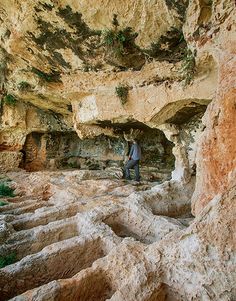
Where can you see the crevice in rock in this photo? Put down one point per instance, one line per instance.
(186, 219)
(205, 12)
(181, 111)
(24, 209)
(186, 113)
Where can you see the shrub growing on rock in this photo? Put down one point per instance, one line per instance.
(119, 41)
(188, 67)
(122, 92)
(10, 99)
(24, 86)
(3, 203)
(54, 76)
(7, 259)
(6, 191)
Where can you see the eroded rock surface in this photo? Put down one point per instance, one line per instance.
(73, 96)
(70, 219)
(109, 239)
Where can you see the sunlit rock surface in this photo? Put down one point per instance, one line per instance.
(86, 225)
(74, 229)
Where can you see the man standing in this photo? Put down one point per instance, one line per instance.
(134, 157)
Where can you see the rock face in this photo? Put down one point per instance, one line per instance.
(66, 68)
(217, 144)
(217, 151)
(35, 139)
(77, 85)
(18, 122)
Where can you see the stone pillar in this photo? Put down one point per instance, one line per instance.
(181, 172)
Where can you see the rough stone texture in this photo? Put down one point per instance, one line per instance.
(10, 160)
(143, 17)
(217, 145)
(18, 121)
(156, 93)
(216, 159)
(84, 234)
(107, 237)
(97, 215)
(36, 139)
(50, 36)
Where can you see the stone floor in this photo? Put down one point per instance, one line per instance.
(81, 235)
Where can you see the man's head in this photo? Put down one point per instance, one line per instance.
(135, 141)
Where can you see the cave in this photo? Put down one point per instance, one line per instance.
(65, 150)
(79, 82)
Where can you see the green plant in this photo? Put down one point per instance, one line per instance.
(8, 259)
(10, 99)
(122, 92)
(6, 191)
(24, 86)
(169, 47)
(54, 76)
(119, 41)
(72, 165)
(3, 203)
(188, 67)
(209, 2)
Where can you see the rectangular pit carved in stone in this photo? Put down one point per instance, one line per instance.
(123, 228)
(89, 286)
(94, 287)
(26, 209)
(44, 217)
(58, 261)
(142, 227)
(34, 240)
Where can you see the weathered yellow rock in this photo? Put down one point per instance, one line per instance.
(107, 237)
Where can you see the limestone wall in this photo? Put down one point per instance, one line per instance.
(217, 150)
(54, 57)
(87, 234)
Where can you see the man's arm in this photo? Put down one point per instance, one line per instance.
(131, 152)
